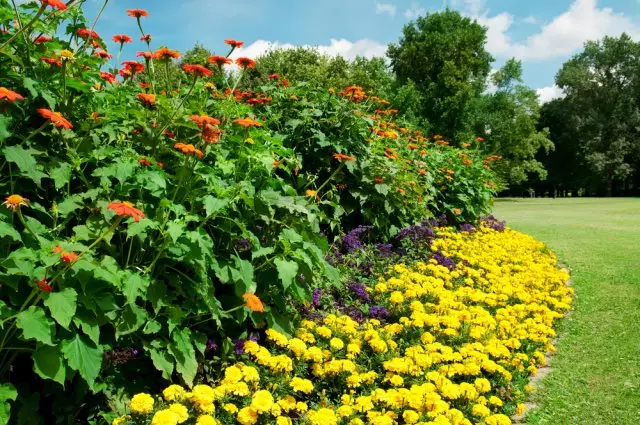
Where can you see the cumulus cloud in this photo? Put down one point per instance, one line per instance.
(345, 48)
(547, 94)
(530, 20)
(414, 11)
(387, 8)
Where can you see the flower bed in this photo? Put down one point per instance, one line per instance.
(454, 343)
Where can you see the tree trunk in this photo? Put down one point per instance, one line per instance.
(609, 188)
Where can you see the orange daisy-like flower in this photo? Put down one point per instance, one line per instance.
(126, 209)
(108, 77)
(121, 38)
(144, 161)
(457, 211)
(246, 63)
(41, 39)
(9, 95)
(233, 43)
(342, 157)
(56, 118)
(204, 120)
(147, 99)
(14, 202)
(44, 285)
(146, 37)
(54, 3)
(133, 67)
(273, 76)
(86, 33)
(189, 149)
(196, 70)
(311, 193)
(51, 61)
(379, 180)
(247, 122)
(137, 13)
(253, 303)
(422, 171)
(146, 55)
(219, 60)
(166, 54)
(69, 257)
(102, 54)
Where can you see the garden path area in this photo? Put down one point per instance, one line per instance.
(595, 377)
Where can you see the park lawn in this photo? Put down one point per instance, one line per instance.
(595, 376)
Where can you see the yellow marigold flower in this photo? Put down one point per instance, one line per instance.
(262, 401)
(301, 406)
(181, 411)
(356, 421)
(301, 385)
(207, 420)
(480, 410)
(249, 140)
(174, 392)
(498, 420)
(482, 385)
(247, 416)
(322, 416)
(202, 396)
(287, 403)
(165, 417)
(230, 408)
(14, 202)
(323, 331)
(283, 420)
(120, 420)
(66, 55)
(336, 343)
(410, 416)
(250, 374)
(520, 408)
(495, 401)
(232, 375)
(141, 403)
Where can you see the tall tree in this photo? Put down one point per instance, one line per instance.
(602, 84)
(444, 55)
(506, 118)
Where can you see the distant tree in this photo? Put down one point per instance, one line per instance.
(507, 119)
(198, 54)
(444, 55)
(602, 84)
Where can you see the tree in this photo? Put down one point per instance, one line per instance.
(444, 55)
(602, 84)
(507, 120)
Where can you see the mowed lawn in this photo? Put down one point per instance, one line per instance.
(595, 376)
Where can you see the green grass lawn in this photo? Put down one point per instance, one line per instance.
(595, 377)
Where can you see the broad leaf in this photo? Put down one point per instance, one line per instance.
(135, 286)
(287, 271)
(7, 230)
(182, 350)
(83, 356)
(163, 361)
(36, 325)
(7, 392)
(26, 162)
(62, 305)
(49, 363)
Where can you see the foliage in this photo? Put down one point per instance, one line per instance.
(148, 215)
(444, 55)
(448, 342)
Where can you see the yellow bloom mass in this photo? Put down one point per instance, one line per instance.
(141, 403)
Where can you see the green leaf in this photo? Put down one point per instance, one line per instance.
(7, 392)
(152, 327)
(242, 275)
(49, 363)
(83, 356)
(132, 319)
(69, 205)
(213, 205)
(89, 325)
(135, 286)
(175, 229)
(36, 325)
(7, 230)
(61, 174)
(287, 271)
(261, 252)
(163, 361)
(26, 162)
(4, 127)
(182, 350)
(62, 305)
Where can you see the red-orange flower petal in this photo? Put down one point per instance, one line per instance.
(219, 60)
(121, 38)
(54, 3)
(9, 95)
(234, 43)
(245, 63)
(137, 13)
(197, 70)
(252, 302)
(56, 118)
(126, 209)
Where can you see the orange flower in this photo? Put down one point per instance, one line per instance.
(56, 118)
(311, 193)
(108, 77)
(467, 162)
(147, 99)
(234, 43)
(11, 96)
(196, 70)
(166, 54)
(219, 60)
(146, 37)
(389, 153)
(204, 120)
(57, 249)
(126, 209)
(273, 76)
(121, 38)
(54, 3)
(466, 145)
(144, 161)
(479, 139)
(379, 180)
(146, 55)
(253, 303)
(41, 39)
(43, 285)
(342, 157)
(14, 202)
(189, 149)
(86, 33)
(246, 63)
(51, 61)
(422, 171)
(412, 146)
(102, 54)
(68, 257)
(247, 122)
(137, 13)
(457, 211)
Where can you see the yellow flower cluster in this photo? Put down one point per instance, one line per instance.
(457, 348)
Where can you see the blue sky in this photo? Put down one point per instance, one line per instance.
(542, 33)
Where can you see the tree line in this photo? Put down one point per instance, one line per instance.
(439, 76)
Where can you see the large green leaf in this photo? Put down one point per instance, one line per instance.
(26, 162)
(61, 174)
(135, 286)
(163, 361)
(62, 305)
(4, 127)
(7, 230)
(213, 205)
(49, 363)
(182, 350)
(83, 356)
(242, 276)
(132, 319)
(36, 325)
(287, 271)
(7, 392)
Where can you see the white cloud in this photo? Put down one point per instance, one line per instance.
(387, 8)
(564, 35)
(547, 94)
(472, 7)
(414, 11)
(345, 48)
(530, 20)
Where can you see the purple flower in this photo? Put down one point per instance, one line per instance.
(420, 235)
(385, 250)
(443, 260)
(238, 345)
(353, 312)
(494, 223)
(211, 345)
(359, 290)
(243, 244)
(315, 297)
(378, 312)
(466, 227)
(352, 241)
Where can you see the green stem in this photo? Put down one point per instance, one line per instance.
(26, 226)
(236, 83)
(331, 177)
(173, 115)
(24, 36)
(24, 28)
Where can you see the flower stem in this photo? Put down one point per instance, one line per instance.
(24, 28)
(26, 226)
